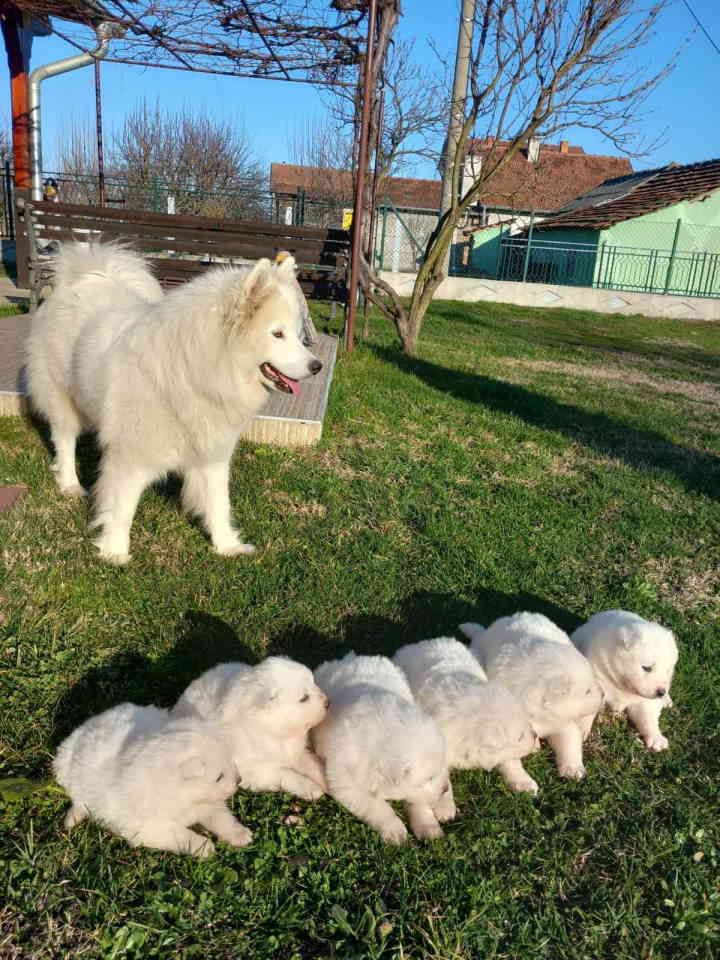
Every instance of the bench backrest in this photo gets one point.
(181, 246)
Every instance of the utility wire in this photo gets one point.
(699, 23)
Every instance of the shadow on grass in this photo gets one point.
(204, 640)
(699, 472)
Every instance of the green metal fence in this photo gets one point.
(688, 273)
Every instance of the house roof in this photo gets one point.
(645, 192)
(337, 185)
(561, 172)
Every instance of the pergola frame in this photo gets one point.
(277, 44)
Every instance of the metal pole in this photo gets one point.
(668, 275)
(381, 263)
(527, 249)
(370, 253)
(99, 129)
(362, 160)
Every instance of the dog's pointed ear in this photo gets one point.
(258, 282)
(192, 768)
(245, 294)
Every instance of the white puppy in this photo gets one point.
(149, 779)
(263, 714)
(553, 681)
(484, 724)
(378, 745)
(168, 382)
(634, 660)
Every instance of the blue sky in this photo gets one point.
(686, 104)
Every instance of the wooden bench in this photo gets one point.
(180, 247)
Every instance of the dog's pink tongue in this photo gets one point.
(293, 384)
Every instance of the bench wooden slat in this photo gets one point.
(75, 211)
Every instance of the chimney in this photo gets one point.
(533, 149)
(564, 144)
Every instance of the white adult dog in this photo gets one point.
(263, 714)
(378, 745)
(483, 723)
(168, 382)
(149, 779)
(554, 682)
(634, 660)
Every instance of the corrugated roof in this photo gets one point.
(644, 192)
(559, 174)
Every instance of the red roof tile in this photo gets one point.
(642, 193)
(560, 173)
(322, 182)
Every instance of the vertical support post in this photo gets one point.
(362, 163)
(668, 275)
(99, 131)
(527, 249)
(381, 261)
(9, 211)
(18, 43)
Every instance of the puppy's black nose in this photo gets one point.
(660, 692)
(315, 366)
(327, 702)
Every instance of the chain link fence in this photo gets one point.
(401, 236)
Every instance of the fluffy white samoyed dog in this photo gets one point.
(149, 778)
(634, 660)
(167, 381)
(378, 745)
(483, 723)
(263, 715)
(554, 682)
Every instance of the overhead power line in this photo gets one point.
(700, 24)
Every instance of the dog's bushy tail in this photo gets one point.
(114, 261)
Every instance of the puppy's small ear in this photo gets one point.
(192, 768)
(556, 687)
(626, 639)
(492, 736)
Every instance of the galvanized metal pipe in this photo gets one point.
(104, 32)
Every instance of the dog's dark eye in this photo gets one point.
(647, 669)
(219, 778)
(279, 334)
(305, 698)
(588, 692)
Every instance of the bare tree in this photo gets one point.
(538, 67)
(76, 151)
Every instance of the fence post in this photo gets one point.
(527, 249)
(668, 275)
(381, 262)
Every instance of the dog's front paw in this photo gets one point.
(202, 847)
(109, 553)
(394, 831)
(240, 836)
(73, 490)
(525, 785)
(310, 791)
(235, 549)
(572, 771)
(657, 742)
(445, 810)
(428, 831)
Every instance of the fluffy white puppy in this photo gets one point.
(149, 779)
(378, 745)
(483, 723)
(634, 660)
(554, 682)
(168, 382)
(263, 714)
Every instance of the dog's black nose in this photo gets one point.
(660, 692)
(327, 702)
(315, 367)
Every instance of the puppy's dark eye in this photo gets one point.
(647, 669)
(219, 778)
(278, 334)
(305, 698)
(588, 692)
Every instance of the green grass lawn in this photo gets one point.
(555, 461)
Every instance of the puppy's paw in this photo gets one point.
(571, 771)
(240, 836)
(74, 816)
(236, 549)
(309, 791)
(657, 742)
(73, 490)
(445, 810)
(428, 831)
(524, 785)
(394, 831)
(109, 551)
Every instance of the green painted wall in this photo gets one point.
(485, 250)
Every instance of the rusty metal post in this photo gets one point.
(362, 162)
(99, 130)
(373, 202)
